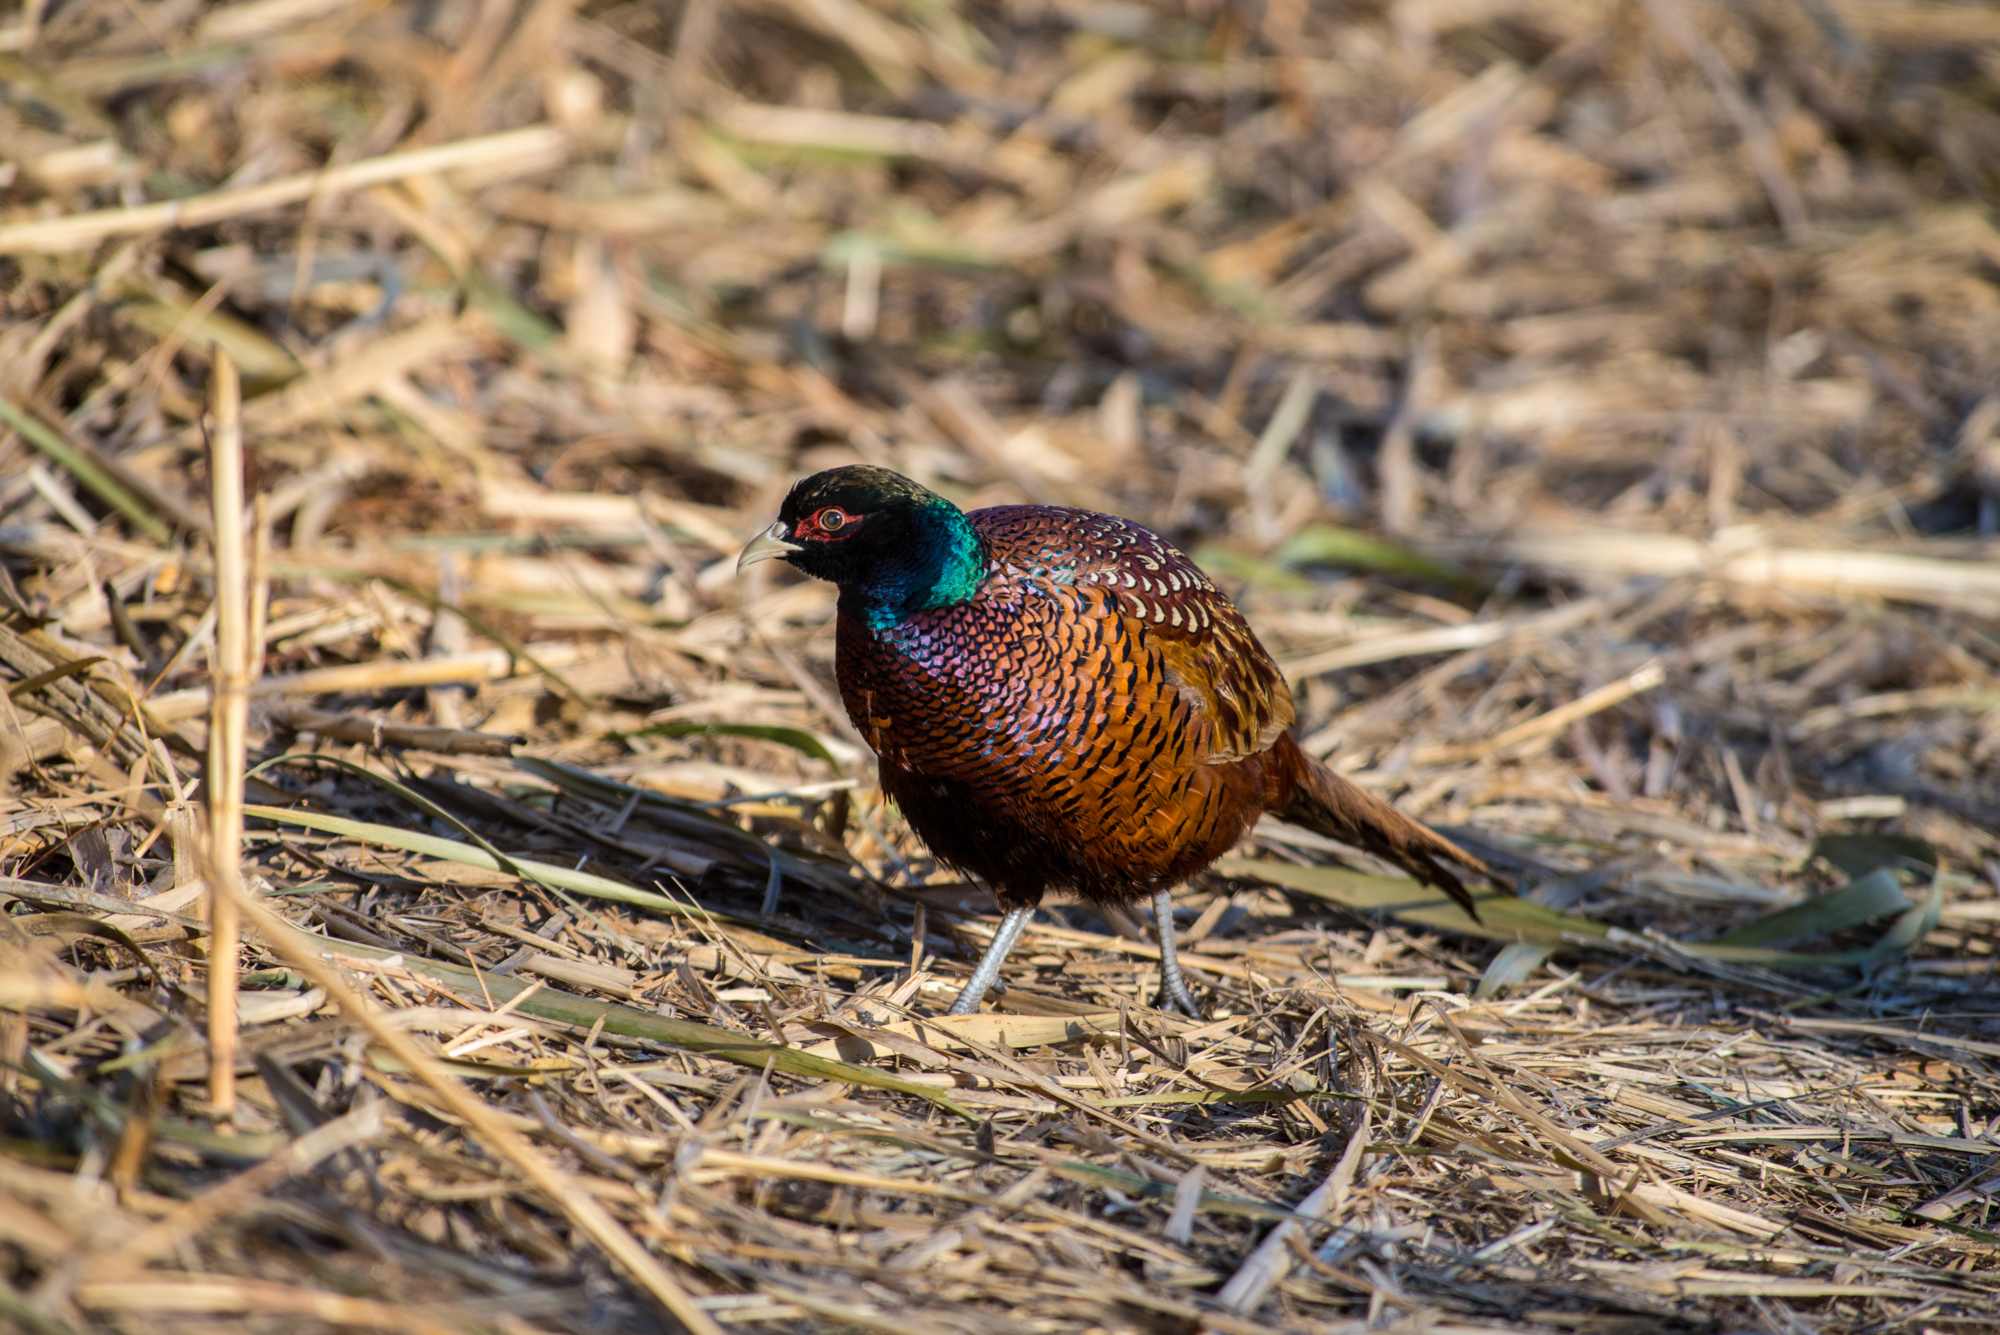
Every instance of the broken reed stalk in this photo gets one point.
(229, 671)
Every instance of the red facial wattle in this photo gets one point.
(828, 524)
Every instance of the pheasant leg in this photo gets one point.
(1173, 987)
(988, 971)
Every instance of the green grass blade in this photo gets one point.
(526, 871)
(1511, 967)
(1912, 927)
(509, 316)
(1859, 854)
(27, 686)
(797, 738)
(1205, 1096)
(407, 794)
(1131, 1184)
(1872, 896)
(264, 364)
(85, 470)
(1502, 917)
(1328, 544)
(709, 1040)
(450, 850)
(1254, 571)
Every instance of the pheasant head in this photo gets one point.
(891, 545)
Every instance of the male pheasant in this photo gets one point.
(1060, 700)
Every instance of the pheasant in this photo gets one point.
(1060, 700)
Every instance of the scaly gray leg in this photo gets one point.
(989, 964)
(1172, 986)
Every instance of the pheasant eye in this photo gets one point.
(832, 519)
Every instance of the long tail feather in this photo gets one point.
(1325, 803)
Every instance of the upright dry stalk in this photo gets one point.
(260, 590)
(230, 674)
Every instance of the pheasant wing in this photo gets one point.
(1233, 690)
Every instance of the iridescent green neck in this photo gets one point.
(939, 564)
(961, 564)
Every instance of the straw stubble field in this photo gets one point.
(1595, 408)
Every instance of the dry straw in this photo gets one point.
(227, 729)
(1594, 408)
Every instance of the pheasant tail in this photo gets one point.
(1325, 803)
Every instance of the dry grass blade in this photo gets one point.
(522, 152)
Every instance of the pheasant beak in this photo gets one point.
(766, 546)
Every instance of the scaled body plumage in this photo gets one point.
(1039, 735)
(1061, 700)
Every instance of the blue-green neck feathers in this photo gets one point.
(940, 563)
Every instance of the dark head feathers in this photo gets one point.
(890, 544)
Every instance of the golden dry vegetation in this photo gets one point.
(1594, 406)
